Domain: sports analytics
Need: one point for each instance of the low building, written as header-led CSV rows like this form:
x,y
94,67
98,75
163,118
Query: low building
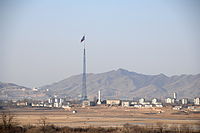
x,y
125,103
113,102
177,108
138,106
22,103
159,105
133,103
85,103
145,103
148,105
37,104
48,105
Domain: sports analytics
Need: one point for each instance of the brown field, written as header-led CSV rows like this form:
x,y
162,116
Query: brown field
x,y
104,116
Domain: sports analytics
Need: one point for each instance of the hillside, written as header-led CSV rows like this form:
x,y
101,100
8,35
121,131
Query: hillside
x,y
15,92
127,85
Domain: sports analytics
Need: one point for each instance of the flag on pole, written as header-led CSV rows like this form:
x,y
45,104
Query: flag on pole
x,y
83,38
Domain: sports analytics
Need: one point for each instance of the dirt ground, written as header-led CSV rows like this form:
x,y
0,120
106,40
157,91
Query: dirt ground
x,y
101,116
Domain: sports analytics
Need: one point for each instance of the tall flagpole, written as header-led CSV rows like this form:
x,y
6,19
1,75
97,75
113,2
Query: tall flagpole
x,y
84,89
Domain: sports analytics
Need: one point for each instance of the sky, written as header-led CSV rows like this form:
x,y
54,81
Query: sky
x,y
40,39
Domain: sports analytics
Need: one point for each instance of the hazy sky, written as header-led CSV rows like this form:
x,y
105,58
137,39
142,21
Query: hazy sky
x,y
40,39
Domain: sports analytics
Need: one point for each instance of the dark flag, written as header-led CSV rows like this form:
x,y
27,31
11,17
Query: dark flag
x,y
83,38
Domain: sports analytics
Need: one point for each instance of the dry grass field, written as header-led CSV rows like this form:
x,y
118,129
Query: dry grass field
x,y
104,117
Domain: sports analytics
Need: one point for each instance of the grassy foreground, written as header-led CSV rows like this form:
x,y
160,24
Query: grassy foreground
x,y
9,124
127,128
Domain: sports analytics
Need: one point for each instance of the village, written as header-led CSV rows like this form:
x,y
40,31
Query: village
x,y
57,102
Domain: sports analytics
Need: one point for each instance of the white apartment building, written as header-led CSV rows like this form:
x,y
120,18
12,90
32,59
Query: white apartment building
x,y
125,103
154,101
184,101
197,101
169,100
141,100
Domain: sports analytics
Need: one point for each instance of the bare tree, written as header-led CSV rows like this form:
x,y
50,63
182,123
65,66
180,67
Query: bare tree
x,y
43,123
7,121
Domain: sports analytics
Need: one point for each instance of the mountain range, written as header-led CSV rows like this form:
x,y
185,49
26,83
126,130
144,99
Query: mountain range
x,y
115,84
12,91
123,84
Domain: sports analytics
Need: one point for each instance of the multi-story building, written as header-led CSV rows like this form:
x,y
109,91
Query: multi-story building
x,y
197,101
154,101
141,100
56,102
184,101
169,100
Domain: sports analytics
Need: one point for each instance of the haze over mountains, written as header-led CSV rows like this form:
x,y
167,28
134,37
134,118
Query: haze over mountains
x,y
121,84
12,91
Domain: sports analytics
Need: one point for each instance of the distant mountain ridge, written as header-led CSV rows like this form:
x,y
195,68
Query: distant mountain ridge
x,y
9,85
124,84
12,91
115,84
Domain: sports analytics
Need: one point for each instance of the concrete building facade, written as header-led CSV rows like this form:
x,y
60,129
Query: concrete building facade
x,y
113,102
197,101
